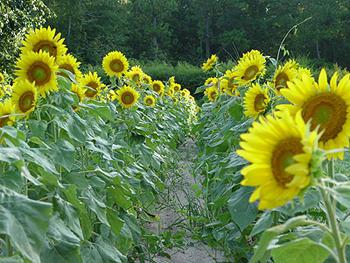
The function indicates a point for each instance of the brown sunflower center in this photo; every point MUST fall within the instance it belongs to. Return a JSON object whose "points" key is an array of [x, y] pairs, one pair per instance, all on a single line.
{"points": [[39, 72], [26, 101], [281, 81], [149, 101], [259, 102], [212, 95], [116, 65], [328, 111], [136, 77], [250, 72], [92, 91], [156, 87], [282, 157], [127, 98], [47, 46], [177, 88], [67, 67], [4, 120]]}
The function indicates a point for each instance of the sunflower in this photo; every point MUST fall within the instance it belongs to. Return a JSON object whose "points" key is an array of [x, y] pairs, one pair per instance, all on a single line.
{"points": [[146, 79], [150, 101], [250, 66], [2, 78], [171, 80], [158, 87], [280, 152], [171, 91], [283, 74], [93, 84], [209, 64], [211, 81], [127, 96], [44, 39], [229, 83], [256, 100], [135, 74], [24, 96], [185, 93], [304, 71], [7, 111], [39, 68], [212, 93], [115, 64], [69, 63], [176, 87], [327, 106], [79, 90]]}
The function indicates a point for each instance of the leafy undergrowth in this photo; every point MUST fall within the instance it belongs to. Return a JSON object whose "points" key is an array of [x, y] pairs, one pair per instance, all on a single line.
{"points": [[77, 182]]}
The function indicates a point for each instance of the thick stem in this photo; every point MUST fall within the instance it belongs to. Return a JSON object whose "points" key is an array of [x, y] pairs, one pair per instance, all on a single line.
{"points": [[332, 220]]}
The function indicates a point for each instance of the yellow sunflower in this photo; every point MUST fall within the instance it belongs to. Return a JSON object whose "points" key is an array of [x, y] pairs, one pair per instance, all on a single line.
{"points": [[229, 82], [39, 68], [92, 83], [283, 74], [158, 86], [212, 93], [2, 78], [127, 96], [304, 71], [44, 39], [79, 90], [256, 100], [115, 64], [250, 66], [150, 101], [171, 91], [211, 81], [69, 63], [171, 80], [280, 152], [146, 79], [24, 96], [135, 74], [326, 105], [185, 93], [209, 64], [7, 111], [176, 87]]}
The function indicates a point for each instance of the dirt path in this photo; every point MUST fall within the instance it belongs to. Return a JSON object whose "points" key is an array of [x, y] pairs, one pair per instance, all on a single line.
{"points": [[177, 206]]}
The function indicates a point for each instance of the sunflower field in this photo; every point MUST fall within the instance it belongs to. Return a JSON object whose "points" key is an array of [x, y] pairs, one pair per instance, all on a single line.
{"points": [[85, 162]]}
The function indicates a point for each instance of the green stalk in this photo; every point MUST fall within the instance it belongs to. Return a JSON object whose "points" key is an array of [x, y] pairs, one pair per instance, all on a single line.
{"points": [[332, 219]]}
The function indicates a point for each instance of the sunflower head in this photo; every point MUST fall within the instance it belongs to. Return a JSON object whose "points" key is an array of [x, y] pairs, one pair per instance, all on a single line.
{"points": [[39, 68], [326, 105], [46, 40], [92, 83], [256, 100], [79, 90], [171, 91], [176, 87], [284, 74], [146, 79], [229, 82], [135, 74], [210, 63], [115, 64], [69, 63], [127, 96], [212, 93], [7, 111], [185, 93], [250, 66], [150, 101], [158, 87], [211, 81], [24, 96], [171, 80], [280, 152]]}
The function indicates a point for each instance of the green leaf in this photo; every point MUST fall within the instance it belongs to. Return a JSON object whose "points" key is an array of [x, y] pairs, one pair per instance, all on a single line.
{"points": [[25, 221], [14, 259], [242, 212], [264, 222], [302, 250], [115, 222]]}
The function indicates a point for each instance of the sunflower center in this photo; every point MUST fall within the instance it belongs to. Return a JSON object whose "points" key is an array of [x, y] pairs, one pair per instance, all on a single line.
{"points": [[282, 157], [259, 102], [67, 67], [116, 65], [92, 91], [3, 121], [327, 111], [47, 46], [250, 72], [136, 77], [212, 95], [149, 101], [281, 81], [39, 72], [156, 87], [127, 98], [26, 101]]}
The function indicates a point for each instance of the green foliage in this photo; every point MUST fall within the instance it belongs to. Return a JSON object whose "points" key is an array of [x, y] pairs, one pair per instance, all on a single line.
{"points": [[17, 17]]}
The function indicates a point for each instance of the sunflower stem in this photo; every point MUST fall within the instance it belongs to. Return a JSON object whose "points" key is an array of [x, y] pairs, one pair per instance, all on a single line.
{"points": [[332, 218]]}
